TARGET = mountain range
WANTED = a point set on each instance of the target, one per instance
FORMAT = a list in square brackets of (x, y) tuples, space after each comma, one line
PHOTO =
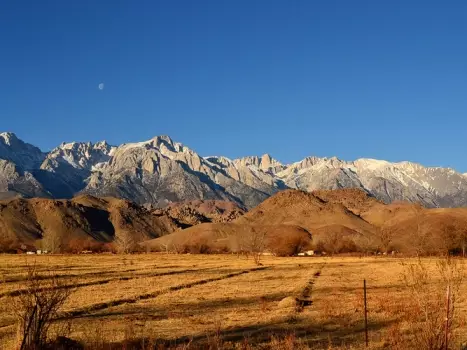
[(160, 171)]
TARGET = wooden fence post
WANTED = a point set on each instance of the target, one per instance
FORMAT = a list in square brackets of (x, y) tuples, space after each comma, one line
[(366, 312), (446, 330)]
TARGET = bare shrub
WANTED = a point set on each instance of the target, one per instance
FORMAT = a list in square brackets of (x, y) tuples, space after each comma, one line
[(164, 247), (37, 307), (386, 237), (53, 242), (427, 304), (125, 242), (256, 243)]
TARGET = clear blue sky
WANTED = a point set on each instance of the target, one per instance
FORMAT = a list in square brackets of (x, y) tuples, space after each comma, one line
[(381, 79)]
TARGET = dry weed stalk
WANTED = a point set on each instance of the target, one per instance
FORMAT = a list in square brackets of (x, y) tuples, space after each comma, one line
[(37, 307), (289, 342), (428, 314)]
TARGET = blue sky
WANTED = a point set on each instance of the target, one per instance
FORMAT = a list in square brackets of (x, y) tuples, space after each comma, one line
[(379, 79)]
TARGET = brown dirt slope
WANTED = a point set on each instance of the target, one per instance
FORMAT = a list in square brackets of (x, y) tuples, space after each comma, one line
[(355, 200), (306, 210), (348, 218)]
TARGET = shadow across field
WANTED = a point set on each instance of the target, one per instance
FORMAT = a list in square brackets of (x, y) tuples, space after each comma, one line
[(15, 293), (132, 300), (210, 306), (312, 335)]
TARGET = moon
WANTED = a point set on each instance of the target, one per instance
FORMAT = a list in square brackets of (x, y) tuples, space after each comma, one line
[(101, 86)]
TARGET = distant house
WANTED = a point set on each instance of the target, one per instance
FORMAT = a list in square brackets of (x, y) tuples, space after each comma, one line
[(39, 251), (30, 253), (307, 253)]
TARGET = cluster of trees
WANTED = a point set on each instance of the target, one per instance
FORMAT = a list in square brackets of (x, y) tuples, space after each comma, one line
[(9, 245), (253, 242), (58, 245), (420, 239)]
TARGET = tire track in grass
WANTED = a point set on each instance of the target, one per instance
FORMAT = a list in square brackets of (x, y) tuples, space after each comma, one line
[(304, 299), (15, 293), (106, 305)]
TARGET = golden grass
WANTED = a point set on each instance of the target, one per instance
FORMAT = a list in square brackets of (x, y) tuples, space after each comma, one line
[(224, 301)]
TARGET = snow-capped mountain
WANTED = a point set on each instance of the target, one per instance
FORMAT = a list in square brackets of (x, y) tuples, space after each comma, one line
[(17, 161), (79, 155), (18, 152), (66, 168), (160, 170)]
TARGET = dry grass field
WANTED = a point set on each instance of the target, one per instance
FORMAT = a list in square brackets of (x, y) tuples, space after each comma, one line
[(225, 301)]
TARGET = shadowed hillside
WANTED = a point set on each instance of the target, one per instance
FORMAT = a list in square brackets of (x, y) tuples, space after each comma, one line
[(57, 224)]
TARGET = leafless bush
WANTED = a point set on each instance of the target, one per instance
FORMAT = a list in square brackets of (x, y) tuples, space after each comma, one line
[(254, 242), (429, 314), (53, 242), (125, 242), (37, 307)]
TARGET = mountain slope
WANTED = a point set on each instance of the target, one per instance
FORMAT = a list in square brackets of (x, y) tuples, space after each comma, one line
[(346, 220), (160, 171), (58, 224)]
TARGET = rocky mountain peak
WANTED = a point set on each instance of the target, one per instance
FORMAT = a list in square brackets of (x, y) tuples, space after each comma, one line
[(264, 163), (80, 155), (267, 161), (21, 153), (9, 138), (163, 138)]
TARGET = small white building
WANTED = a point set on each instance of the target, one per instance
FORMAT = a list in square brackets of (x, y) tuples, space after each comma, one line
[(30, 253)]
